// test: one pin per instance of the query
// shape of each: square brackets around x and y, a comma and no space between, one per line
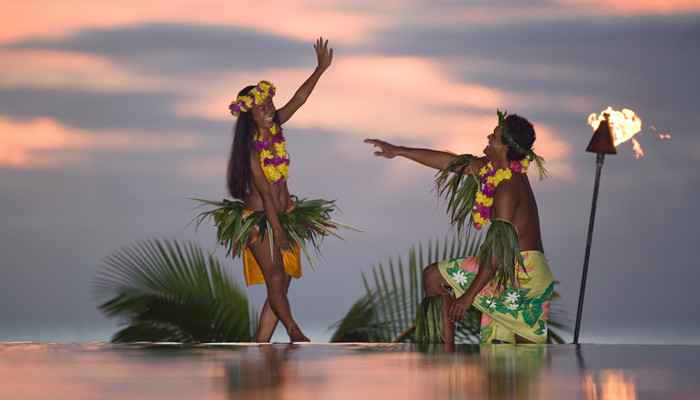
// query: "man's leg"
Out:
[434,283]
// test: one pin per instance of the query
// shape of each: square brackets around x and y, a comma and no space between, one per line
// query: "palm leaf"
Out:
[359,325]
[166,291]
[558,320]
[386,312]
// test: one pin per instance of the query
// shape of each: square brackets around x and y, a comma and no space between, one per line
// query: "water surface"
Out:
[345,371]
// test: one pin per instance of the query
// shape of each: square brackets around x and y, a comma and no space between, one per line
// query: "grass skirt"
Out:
[307,221]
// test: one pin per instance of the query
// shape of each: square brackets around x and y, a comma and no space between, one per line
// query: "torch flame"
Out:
[661,135]
[624,125]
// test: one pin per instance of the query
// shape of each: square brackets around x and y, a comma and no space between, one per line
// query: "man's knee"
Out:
[433,280]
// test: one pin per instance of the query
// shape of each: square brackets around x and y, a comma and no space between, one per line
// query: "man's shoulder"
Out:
[514,187]
[478,162]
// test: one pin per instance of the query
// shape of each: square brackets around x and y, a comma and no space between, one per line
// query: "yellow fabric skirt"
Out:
[253,274]
[251,269]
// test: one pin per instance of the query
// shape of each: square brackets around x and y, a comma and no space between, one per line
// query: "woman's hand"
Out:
[323,53]
[385,149]
[281,241]
[325,57]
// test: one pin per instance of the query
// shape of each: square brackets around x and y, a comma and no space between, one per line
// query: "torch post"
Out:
[601,144]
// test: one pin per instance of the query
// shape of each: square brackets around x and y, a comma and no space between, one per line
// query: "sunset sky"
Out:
[113,114]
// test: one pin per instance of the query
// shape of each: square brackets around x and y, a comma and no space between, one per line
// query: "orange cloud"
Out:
[625,7]
[44,143]
[398,99]
[57,69]
[303,19]
[395,96]
[20,142]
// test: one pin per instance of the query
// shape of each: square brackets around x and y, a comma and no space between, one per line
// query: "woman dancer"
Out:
[257,175]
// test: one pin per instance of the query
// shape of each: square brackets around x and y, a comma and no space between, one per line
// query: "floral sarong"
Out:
[521,308]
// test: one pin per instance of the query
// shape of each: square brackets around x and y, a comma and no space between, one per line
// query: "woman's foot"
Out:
[295,335]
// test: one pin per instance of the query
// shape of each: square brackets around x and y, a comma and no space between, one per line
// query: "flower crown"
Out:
[256,95]
[529,154]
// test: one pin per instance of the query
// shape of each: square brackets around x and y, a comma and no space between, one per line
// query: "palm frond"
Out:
[391,301]
[359,326]
[387,312]
[558,320]
[167,291]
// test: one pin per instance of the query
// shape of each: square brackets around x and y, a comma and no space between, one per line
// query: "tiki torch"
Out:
[601,144]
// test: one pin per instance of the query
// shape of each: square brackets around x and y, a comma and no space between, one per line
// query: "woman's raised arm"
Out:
[324,54]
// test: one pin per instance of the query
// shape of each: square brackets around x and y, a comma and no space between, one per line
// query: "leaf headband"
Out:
[256,95]
[529,154]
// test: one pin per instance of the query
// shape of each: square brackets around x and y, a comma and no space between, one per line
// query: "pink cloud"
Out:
[44,143]
[51,69]
[395,96]
[302,19]
[398,99]
[625,7]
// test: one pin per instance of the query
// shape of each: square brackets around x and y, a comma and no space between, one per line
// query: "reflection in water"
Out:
[605,383]
[494,371]
[103,371]
[260,374]
[610,385]
[512,370]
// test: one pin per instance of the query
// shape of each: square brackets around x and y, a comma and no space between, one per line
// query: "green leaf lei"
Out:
[500,247]
[459,189]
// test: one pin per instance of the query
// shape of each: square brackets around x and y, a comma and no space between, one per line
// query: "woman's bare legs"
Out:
[434,283]
[268,319]
[276,282]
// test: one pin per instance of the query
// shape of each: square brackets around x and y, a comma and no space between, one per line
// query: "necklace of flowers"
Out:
[490,179]
[275,163]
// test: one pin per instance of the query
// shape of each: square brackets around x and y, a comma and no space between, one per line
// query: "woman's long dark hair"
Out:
[239,175]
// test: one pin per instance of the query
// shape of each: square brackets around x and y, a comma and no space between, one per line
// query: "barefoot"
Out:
[295,335]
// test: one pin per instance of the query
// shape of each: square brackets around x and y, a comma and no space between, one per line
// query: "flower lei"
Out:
[275,164]
[490,179]
[256,95]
